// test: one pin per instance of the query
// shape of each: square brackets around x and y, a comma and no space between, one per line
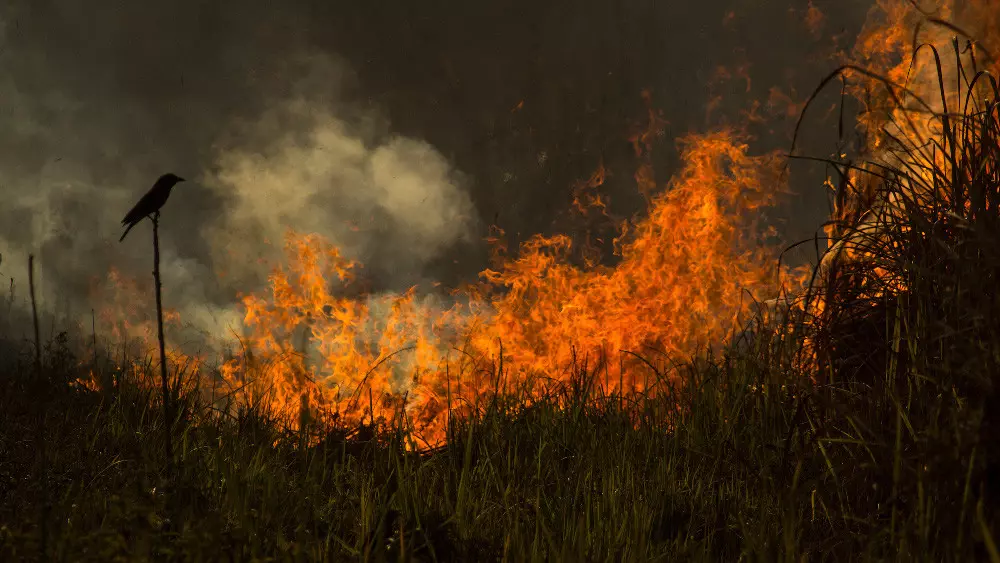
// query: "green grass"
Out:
[886,449]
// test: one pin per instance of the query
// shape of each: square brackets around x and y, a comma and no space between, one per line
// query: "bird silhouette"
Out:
[151,202]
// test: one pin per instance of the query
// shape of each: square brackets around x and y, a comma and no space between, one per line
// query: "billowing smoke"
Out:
[392,202]
[293,152]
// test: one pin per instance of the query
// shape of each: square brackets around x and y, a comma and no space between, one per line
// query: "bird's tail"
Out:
[126,231]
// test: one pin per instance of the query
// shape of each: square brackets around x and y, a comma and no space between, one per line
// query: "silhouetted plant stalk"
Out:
[34,315]
[165,387]
[43,458]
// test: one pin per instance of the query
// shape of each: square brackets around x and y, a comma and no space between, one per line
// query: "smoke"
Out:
[274,140]
[391,202]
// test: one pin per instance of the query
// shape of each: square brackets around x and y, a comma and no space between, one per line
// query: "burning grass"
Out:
[678,285]
[858,423]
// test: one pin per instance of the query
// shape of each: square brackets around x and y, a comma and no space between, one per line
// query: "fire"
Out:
[681,276]
[914,70]
[678,285]
[121,307]
[899,42]
[930,71]
[124,321]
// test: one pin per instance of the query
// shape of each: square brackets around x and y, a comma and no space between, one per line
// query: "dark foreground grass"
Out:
[756,468]
[867,431]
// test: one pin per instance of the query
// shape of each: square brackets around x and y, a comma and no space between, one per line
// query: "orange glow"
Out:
[676,288]
[902,119]
[680,279]
[895,28]
[904,130]
[125,320]
[814,20]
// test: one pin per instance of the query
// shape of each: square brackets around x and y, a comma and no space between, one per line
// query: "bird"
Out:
[151,202]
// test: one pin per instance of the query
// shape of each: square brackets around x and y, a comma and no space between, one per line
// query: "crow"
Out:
[151,202]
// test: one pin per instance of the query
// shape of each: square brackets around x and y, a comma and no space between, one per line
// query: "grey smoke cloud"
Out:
[293,152]
[392,202]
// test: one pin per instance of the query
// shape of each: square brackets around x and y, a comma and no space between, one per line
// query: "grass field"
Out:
[864,428]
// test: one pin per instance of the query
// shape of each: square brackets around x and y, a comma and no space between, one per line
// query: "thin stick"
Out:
[163,353]
[34,315]
[43,455]
[10,301]
[93,328]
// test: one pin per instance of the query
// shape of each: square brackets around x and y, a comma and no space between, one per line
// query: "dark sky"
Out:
[388,126]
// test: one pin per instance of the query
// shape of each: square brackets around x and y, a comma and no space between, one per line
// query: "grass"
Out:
[868,432]
[752,470]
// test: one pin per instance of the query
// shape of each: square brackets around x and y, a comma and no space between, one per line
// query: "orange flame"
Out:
[677,286]
[913,48]
[897,43]
[124,320]
[678,281]
[918,68]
